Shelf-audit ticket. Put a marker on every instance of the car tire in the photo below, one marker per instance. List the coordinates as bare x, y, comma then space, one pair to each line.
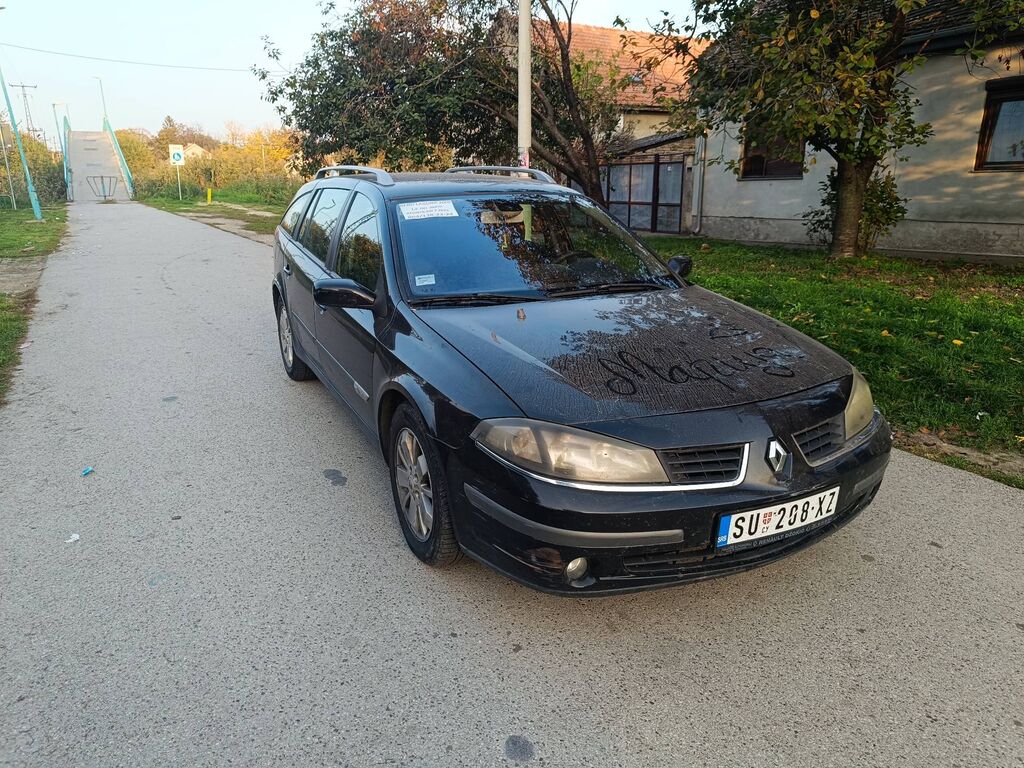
420, 490
293, 365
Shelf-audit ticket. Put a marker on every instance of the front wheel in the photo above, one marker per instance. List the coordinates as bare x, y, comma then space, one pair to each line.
420, 491
293, 366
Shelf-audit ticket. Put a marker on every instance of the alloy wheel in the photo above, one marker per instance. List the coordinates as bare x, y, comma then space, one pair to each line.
284, 330
412, 478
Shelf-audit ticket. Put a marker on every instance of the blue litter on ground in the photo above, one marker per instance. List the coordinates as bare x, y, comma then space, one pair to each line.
87, 471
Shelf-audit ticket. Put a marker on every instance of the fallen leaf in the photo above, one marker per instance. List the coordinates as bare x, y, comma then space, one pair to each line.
886, 333
1020, 438
958, 343
924, 430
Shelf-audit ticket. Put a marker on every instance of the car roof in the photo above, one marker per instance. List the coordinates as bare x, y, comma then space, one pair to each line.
441, 184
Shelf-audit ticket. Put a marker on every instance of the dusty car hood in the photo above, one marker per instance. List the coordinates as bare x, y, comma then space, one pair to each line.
638, 354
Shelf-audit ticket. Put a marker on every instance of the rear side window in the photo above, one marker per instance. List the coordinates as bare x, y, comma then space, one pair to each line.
323, 222
292, 217
359, 251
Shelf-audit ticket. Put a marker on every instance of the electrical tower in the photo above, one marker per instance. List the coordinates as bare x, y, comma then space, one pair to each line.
29, 126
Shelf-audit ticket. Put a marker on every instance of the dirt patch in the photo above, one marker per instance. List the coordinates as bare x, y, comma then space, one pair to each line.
924, 444
252, 211
19, 277
234, 226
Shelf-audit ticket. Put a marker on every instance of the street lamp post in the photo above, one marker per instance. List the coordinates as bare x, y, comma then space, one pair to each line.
103, 98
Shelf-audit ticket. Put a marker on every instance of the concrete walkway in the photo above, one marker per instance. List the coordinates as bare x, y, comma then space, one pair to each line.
231, 586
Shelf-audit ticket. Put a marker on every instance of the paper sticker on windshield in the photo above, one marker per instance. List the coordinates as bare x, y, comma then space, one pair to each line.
424, 280
428, 209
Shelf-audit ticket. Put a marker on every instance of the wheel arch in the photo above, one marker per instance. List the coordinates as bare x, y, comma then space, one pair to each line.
403, 390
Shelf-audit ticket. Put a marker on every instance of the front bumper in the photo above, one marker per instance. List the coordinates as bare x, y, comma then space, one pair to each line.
529, 530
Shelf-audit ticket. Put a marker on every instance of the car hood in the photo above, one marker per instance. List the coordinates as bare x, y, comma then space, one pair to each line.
619, 356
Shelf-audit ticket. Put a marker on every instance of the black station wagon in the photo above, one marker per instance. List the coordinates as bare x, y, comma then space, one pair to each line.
551, 397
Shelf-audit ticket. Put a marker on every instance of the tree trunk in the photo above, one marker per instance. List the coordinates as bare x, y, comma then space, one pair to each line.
851, 184
592, 186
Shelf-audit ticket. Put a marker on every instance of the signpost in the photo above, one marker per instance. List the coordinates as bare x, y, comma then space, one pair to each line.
177, 154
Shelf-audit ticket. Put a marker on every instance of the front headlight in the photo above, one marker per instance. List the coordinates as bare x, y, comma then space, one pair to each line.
860, 408
567, 453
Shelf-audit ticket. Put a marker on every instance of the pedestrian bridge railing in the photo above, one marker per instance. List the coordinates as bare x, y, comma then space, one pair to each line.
125, 170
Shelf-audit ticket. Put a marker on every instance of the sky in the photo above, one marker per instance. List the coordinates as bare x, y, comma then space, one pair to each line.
226, 33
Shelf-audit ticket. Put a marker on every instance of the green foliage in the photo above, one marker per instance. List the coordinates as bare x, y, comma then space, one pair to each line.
883, 210
412, 83
13, 326
138, 150
47, 171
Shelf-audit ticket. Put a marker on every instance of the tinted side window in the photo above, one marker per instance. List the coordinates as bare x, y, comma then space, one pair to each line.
359, 251
292, 217
322, 223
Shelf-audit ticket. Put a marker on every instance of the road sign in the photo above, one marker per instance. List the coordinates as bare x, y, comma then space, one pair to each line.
177, 153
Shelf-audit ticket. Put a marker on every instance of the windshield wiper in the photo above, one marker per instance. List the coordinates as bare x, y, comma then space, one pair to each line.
473, 298
596, 288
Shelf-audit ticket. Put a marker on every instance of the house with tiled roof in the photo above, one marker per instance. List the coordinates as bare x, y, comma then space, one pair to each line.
648, 184
965, 187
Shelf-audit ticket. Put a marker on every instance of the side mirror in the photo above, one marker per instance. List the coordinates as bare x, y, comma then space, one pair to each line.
681, 265
338, 292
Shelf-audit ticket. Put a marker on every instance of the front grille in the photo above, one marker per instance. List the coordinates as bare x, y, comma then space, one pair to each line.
714, 464
822, 440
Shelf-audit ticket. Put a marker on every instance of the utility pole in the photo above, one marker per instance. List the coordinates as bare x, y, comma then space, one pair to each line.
32, 197
525, 82
30, 129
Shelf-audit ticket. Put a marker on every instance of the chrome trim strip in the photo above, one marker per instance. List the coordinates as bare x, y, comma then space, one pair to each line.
565, 537
624, 487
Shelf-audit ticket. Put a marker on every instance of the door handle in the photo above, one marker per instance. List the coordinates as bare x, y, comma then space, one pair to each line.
287, 270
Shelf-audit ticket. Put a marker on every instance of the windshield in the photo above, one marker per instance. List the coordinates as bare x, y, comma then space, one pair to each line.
527, 245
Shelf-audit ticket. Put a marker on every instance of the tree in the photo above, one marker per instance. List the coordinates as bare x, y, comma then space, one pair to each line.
417, 81
830, 72
173, 132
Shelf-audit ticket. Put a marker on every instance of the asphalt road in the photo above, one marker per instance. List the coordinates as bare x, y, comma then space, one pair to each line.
240, 592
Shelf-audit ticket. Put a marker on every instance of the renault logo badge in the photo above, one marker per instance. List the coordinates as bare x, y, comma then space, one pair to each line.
777, 455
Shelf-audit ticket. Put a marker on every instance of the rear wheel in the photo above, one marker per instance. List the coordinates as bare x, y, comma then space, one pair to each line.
293, 366
420, 491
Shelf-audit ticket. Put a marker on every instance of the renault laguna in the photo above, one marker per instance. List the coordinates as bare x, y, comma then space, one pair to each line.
553, 399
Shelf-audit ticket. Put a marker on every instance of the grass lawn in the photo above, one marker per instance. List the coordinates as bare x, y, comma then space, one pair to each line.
942, 345
22, 237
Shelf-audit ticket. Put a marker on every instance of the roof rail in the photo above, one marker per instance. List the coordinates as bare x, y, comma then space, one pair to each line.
379, 176
509, 169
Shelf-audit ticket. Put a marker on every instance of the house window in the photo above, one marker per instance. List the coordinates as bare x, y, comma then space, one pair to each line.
771, 158
1001, 142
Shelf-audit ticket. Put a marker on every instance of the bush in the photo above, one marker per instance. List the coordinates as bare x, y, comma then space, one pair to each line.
162, 181
883, 210
47, 172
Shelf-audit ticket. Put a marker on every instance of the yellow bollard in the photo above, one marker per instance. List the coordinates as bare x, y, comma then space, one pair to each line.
209, 195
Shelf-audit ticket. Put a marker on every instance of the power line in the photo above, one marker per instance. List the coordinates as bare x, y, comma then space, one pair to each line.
124, 61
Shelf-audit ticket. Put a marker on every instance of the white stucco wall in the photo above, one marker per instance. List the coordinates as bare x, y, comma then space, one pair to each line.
952, 209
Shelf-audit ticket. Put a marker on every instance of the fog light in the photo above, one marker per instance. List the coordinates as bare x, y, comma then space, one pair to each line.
576, 569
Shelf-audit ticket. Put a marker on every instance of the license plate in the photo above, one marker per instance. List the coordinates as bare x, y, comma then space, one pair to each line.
776, 520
